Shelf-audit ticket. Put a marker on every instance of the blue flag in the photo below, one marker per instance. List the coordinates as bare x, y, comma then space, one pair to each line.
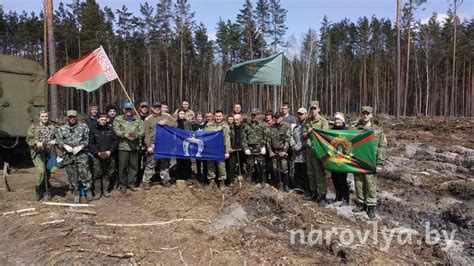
173, 142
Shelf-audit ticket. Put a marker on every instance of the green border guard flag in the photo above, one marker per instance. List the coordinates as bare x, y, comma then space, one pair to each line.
345, 151
268, 71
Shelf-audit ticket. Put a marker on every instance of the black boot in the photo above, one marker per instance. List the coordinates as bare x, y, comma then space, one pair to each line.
321, 200
39, 193
360, 207
371, 212
338, 195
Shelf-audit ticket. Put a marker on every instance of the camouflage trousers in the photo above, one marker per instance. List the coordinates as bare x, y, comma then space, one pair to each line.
128, 168
366, 189
104, 170
280, 164
150, 168
257, 165
317, 179
40, 169
211, 170
78, 172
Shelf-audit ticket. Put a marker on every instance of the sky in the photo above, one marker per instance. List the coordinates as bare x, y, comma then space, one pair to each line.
302, 14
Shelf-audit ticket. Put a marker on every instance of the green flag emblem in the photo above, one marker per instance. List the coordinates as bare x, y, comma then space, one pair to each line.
345, 151
268, 71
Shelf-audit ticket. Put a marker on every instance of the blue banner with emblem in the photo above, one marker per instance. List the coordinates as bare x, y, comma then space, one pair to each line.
173, 142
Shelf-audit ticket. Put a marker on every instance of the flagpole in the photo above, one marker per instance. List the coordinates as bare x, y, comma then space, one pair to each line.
126, 94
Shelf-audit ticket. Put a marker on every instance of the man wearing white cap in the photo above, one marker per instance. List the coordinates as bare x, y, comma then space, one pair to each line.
298, 146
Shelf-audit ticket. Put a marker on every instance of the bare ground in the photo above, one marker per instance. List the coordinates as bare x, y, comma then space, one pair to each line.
429, 179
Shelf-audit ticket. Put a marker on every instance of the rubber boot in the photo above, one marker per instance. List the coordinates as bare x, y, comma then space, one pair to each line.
222, 184
39, 193
321, 201
146, 185
371, 212
97, 189
89, 195
286, 182
76, 196
212, 184
105, 186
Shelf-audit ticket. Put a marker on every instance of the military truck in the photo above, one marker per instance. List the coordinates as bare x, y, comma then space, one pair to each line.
23, 93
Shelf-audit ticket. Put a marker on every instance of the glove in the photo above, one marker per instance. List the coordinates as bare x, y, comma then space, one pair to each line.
103, 155
77, 149
296, 147
263, 151
39, 145
247, 152
68, 148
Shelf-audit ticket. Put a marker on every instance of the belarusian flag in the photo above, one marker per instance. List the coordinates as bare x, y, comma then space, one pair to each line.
345, 151
268, 71
86, 73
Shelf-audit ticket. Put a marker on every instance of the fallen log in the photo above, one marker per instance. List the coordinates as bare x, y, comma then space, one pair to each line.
53, 222
68, 204
156, 223
19, 211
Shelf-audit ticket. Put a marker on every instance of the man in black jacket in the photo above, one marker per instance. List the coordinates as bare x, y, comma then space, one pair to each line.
102, 143
237, 155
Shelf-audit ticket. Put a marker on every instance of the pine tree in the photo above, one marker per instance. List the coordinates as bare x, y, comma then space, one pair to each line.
277, 22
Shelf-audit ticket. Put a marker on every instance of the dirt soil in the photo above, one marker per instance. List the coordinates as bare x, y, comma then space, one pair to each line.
427, 185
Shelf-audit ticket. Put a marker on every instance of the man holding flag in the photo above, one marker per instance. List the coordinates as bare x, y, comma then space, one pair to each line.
365, 184
217, 125
149, 125
317, 179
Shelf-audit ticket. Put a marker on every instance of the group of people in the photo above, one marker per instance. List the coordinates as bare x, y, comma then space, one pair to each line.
270, 148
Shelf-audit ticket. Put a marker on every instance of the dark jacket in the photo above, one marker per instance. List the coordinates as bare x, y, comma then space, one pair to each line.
236, 136
342, 127
198, 127
184, 124
102, 138
90, 121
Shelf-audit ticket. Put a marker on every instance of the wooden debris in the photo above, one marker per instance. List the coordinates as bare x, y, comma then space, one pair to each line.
19, 211
67, 204
28, 214
81, 211
156, 223
53, 222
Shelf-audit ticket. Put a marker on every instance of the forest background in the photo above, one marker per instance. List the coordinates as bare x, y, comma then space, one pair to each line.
163, 53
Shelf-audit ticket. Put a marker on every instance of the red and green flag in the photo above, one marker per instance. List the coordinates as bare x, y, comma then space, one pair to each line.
86, 73
345, 151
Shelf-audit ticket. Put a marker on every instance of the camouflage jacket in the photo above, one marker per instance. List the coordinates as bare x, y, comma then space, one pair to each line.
380, 140
298, 144
133, 127
73, 135
149, 126
255, 133
214, 126
38, 133
279, 137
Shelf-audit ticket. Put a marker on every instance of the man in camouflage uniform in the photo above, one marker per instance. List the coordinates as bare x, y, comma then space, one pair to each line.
40, 139
102, 144
254, 142
366, 185
73, 137
189, 114
316, 176
149, 126
216, 125
129, 130
278, 145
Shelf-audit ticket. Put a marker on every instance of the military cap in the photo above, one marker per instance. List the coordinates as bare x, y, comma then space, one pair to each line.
110, 107
93, 104
144, 104
102, 115
278, 115
367, 109
157, 104
302, 110
254, 111
71, 113
128, 105
314, 104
